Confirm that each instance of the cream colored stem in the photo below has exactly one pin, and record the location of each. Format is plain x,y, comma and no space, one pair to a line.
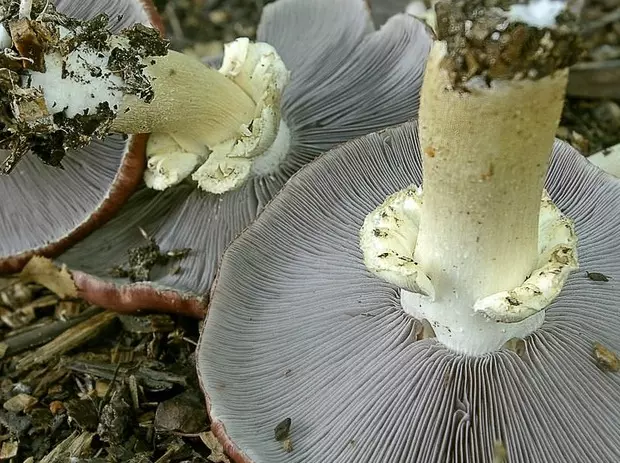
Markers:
486,154
192,101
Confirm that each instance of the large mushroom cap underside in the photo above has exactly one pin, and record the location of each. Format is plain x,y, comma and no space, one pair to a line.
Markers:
298,328
346,80
45,209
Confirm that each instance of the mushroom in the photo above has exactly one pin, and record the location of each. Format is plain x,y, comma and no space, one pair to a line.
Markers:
608,160
383,9
397,302
346,80
44,209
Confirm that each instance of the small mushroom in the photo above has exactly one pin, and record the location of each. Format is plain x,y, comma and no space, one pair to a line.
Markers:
346,80
608,160
44,209
375,363
382,10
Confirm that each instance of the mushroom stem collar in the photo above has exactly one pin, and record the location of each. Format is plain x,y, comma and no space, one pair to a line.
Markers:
222,149
388,240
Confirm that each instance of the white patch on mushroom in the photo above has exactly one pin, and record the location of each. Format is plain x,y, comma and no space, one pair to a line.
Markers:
537,13
168,162
222,173
388,238
557,249
258,70
5,38
269,161
69,84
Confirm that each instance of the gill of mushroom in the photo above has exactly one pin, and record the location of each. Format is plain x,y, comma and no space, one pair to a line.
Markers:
480,249
209,123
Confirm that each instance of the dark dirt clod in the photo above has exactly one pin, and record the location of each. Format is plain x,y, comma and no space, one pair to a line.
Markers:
185,413
605,358
596,276
25,121
142,259
481,42
83,412
283,429
116,418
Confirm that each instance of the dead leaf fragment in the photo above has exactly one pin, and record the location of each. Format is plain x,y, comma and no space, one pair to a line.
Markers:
606,359
42,270
217,449
77,445
500,453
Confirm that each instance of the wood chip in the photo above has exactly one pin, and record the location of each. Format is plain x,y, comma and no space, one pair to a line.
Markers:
102,388
42,270
149,378
14,293
8,450
18,318
20,403
170,453
68,309
37,335
217,449
56,407
68,340
77,445
157,323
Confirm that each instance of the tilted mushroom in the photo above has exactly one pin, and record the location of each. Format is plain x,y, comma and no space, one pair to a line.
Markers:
45,208
608,160
408,297
383,9
346,80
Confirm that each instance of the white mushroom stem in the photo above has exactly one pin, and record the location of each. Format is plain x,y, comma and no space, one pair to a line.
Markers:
485,154
191,101
194,102
233,113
